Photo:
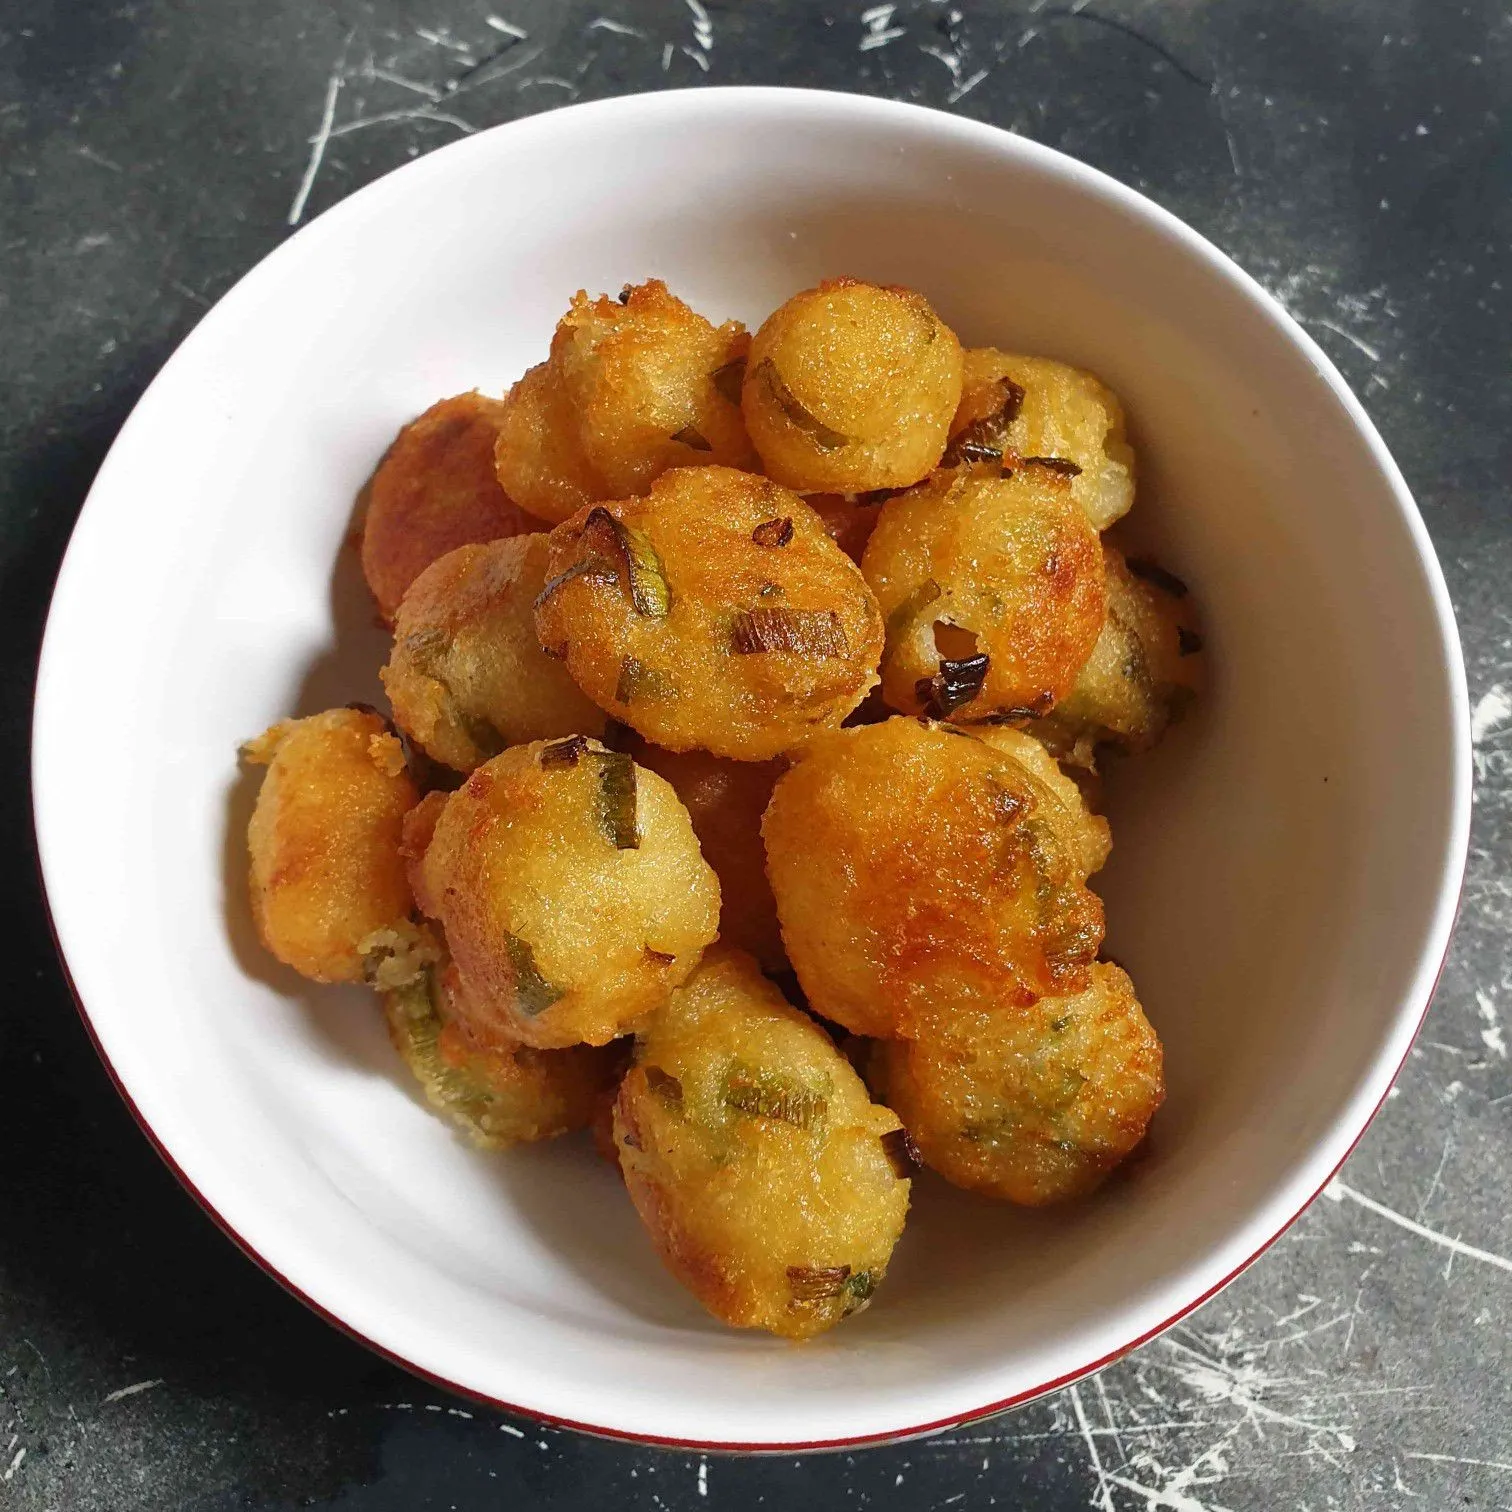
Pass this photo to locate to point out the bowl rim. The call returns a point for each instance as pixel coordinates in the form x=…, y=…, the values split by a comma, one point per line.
x=1414, y=1001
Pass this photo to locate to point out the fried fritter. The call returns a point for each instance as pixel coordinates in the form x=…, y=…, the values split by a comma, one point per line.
x=434, y=491
x=1143, y=672
x=726, y=799
x=916, y=867
x=1033, y=407
x=503, y=1094
x=992, y=588
x=716, y=614
x=329, y=893
x=1033, y=1105
x=467, y=676
x=633, y=386
x=852, y=386
x=766, y=1177
x=571, y=890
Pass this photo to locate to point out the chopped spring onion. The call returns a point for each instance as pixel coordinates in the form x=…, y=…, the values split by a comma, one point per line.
x=787, y=401
x=810, y=632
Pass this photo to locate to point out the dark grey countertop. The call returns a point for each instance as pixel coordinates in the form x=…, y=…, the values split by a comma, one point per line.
x=1353, y=154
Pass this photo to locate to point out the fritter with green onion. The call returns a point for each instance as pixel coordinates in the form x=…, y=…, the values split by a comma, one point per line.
x=467, y=676
x=435, y=489
x=991, y=582
x=714, y=614
x=1032, y=1105
x=329, y=893
x=852, y=386
x=917, y=868
x=1145, y=669
x=634, y=385
x=571, y=890
x=770, y=1183
x=1033, y=407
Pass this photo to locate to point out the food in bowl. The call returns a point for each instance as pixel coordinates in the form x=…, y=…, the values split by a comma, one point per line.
x=803, y=680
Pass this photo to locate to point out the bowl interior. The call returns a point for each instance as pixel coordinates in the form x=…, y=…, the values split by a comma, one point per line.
x=1283, y=866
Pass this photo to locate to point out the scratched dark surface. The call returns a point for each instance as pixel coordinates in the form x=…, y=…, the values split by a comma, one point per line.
x=1353, y=154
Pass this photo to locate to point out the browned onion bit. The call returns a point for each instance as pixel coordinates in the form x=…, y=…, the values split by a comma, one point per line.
x=878, y=496
x=644, y=574
x=970, y=447
x=637, y=681
x=773, y=532
x=533, y=993
x=816, y=1283
x=617, y=799
x=727, y=380
x=902, y=1154
x=1155, y=574
x=596, y=569
x=665, y=1087
x=563, y=753
x=690, y=437
x=810, y=632
x=1013, y=402
x=1062, y=465
x=658, y=957
x=955, y=684
x=787, y=401
x=1188, y=642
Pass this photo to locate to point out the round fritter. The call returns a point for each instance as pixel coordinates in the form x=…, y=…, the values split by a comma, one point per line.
x=1143, y=672
x=992, y=587
x=328, y=886
x=633, y=386
x=467, y=676
x=726, y=799
x=1033, y=407
x=916, y=868
x=571, y=890
x=715, y=614
x=852, y=386
x=849, y=518
x=1032, y=1105
x=1085, y=835
x=435, y=490
x=502, y=1094
x=768, y=1180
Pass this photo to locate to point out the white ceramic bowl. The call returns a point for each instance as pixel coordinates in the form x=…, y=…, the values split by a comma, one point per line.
x=1286, y=866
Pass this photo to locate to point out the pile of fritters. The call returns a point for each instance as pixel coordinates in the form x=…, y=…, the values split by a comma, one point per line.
x=729, y=673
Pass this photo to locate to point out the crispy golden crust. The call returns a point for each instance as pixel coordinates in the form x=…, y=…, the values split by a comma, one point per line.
x=849, y=521
x=974, y=563
x=633, y=386
x=501, y=1094
x=571, y=890
x=1032, y=1105
x=715, y=614
x=915, y=866
x=1145, y=669
x=851, y=386
x=759, y=1165
x=1038, y=408
x=467, y=676
x=328, y=883
x=435, y=490
x=725, y=800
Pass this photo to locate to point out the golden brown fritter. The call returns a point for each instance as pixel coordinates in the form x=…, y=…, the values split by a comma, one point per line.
x=633, y=386
x=435, y=490
x=1033, y=407
x=916, y=867
x=502, y=1094
x=725, y=800
x=716, y=614
x=467, y=676
x=571, y=890
x=766, y=1177
x=852, y=386
x=328, y=887
x=1032, y=1105
x=1143, y=672
x=992, y=588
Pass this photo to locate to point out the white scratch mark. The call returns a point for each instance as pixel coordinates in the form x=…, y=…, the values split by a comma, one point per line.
x=1103, y=1500
x=873, y=40
x=1452, y=1091
x=91, y=241
x=444, y=39
x=666, y=56
x=1308, y=1303
x=321, y=137
x=609, y=24
x=372, y=71
x=1438, y=1176
x=1491, y=1035
x=362, y=123
x=1350, y=337
x=878, y=16
x=962, y=90
x=1492, y=709
x=126, y=1391
x=15, y=1463
x=511, y=1430
x=100, y=158
x=1107, y=1407
x=551, y=79
x=703, y=1477
x=1338, y=1191
x=700, y=58
x=703, y=27
x=458, y=1412
x=1454, y=1459
x=1354, y=1312
x=509, y=29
